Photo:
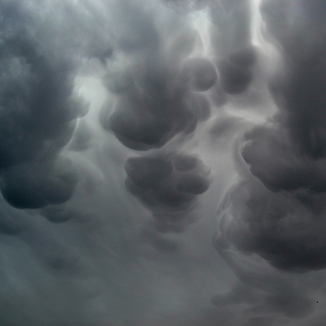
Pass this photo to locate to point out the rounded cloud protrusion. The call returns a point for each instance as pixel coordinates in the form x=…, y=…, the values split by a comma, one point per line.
x=199, y=74
x=36, y=186
x=167, y=184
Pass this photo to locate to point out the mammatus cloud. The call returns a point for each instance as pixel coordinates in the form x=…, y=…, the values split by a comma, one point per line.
x=277, y=210
x=168, y=185
x=278, y=226
x=38, y=112
x=157, y=97
x=157, y=103
x=286, y=155
x=108, y=207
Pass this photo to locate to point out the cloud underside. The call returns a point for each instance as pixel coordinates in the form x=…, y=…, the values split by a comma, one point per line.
x=193, y=101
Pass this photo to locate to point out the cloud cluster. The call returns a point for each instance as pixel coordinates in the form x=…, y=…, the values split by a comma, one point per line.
x=157, y=86
x=168, y=185
x=76, y=248
x=155, y=81
x=281, y=228
x=278, y=212
x=38, y=112
x=156, y=103
x=237, y=70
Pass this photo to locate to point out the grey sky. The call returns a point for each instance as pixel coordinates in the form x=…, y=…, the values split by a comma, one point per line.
x=162, y=162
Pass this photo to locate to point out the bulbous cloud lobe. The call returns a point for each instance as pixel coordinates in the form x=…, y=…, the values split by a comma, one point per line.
x=168, y=185
x=157, y=87
x=278, y=211
x=38, y=110
x=158, y=104
x=156, y=83
x=285, y=231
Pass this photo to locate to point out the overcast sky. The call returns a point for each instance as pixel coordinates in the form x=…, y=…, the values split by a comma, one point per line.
x=162, y=162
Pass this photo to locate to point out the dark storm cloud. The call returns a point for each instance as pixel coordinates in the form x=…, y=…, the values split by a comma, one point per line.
x=79, y=250
x=277, y=226
x=299, y=89
x=236, y=70
x=276, y=161
x=37, y=109
x=168, y=185
x=156, y=90
x=39, y=184
x=153, y=109
x=156, y=95
x=285, y=223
